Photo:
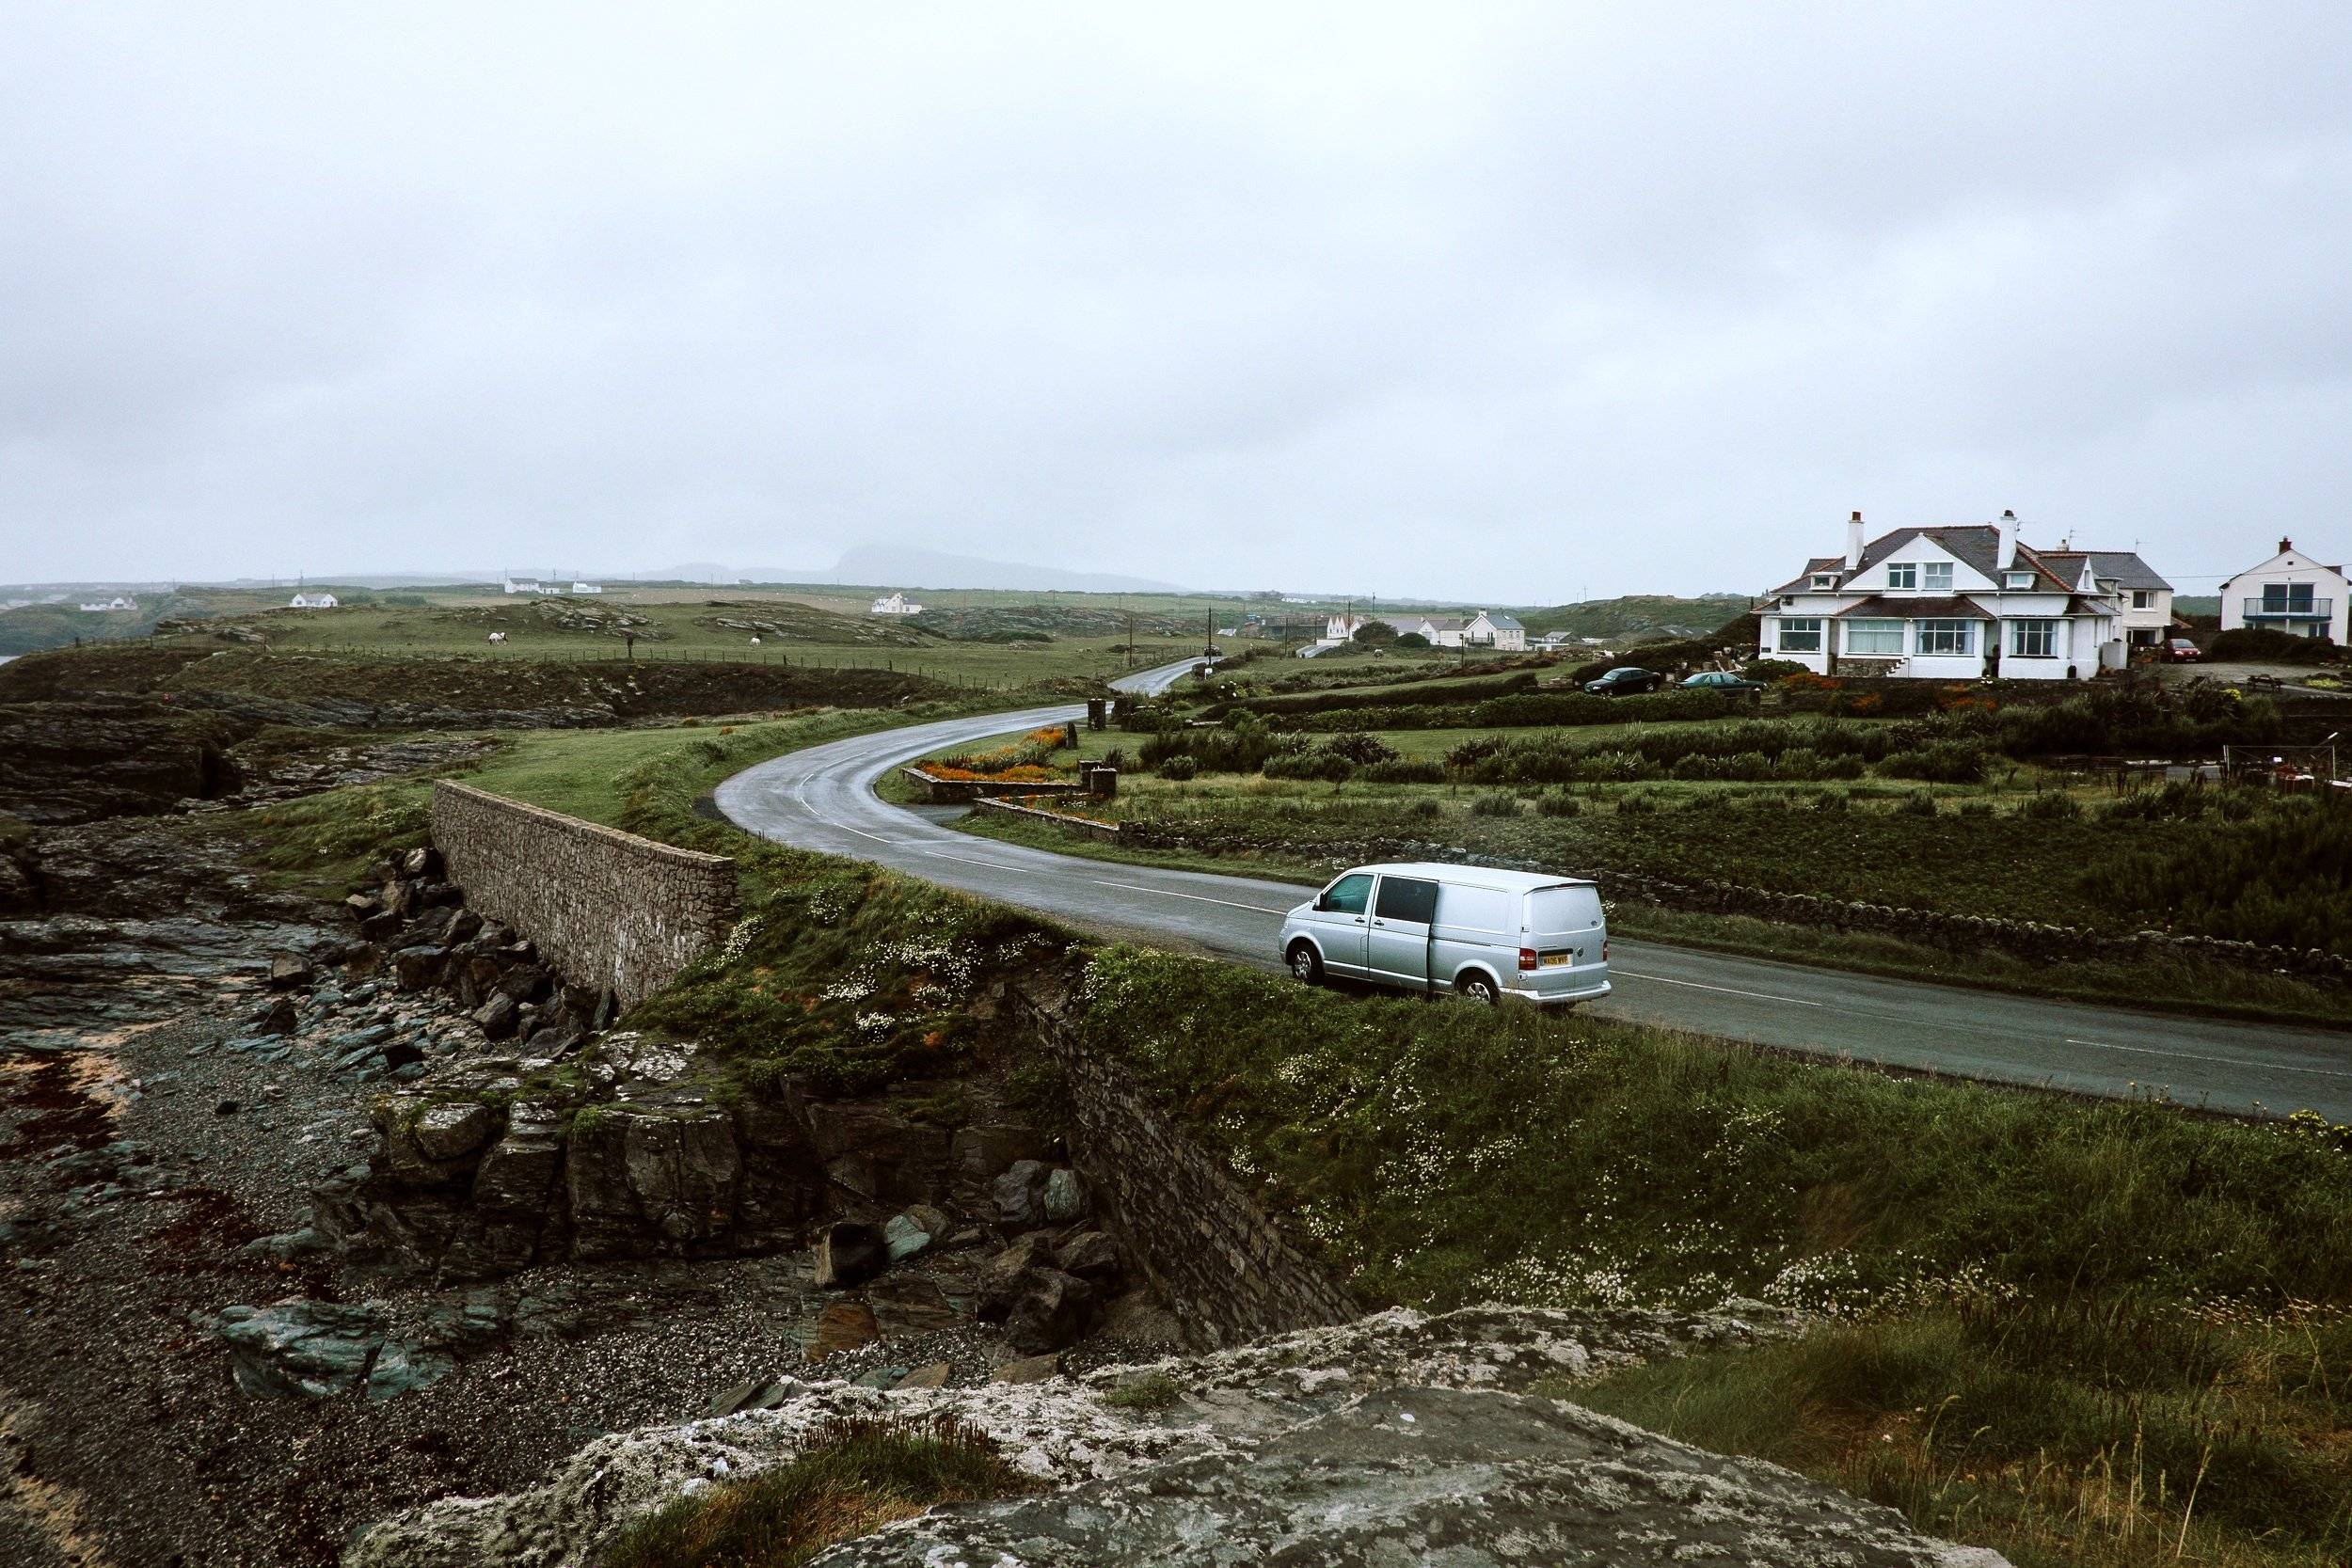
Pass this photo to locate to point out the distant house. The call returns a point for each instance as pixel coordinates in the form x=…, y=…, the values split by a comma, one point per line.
x=1502, y=633
x=1341, y=628
x=2290, y=593
x=532, y=585
x=895, y=604
x=587, y=588
x=314, y=601
x=101, y=606
x=1957, y=604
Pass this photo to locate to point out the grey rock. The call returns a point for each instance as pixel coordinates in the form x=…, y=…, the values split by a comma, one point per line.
x=1052, y=1310
x=1065, y=1197
x=911, y=1231
x=291, y=1349
x=1089, y=1255
x=1471, y=1480
x=498, y=1017
x=1001, y=1279
x=1028, y=1368
x=1020, y=1194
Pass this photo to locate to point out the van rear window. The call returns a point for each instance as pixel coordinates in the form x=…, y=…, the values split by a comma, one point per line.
x=1562, y=908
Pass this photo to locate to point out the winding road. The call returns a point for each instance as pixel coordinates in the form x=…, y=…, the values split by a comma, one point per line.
x=823, y=799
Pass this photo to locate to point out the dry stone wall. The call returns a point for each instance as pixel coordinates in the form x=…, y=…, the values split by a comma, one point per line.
x=609, y=908
x=1213, y=1255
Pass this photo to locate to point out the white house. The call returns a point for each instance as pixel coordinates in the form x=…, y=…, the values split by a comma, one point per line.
x=1341, y=628
x=587, y=588
x=314, y=601
x=1502, y=633
x=100, y=607
x=1955, y=604
x=530, y=585
x=895, y=604
x=2289, y=593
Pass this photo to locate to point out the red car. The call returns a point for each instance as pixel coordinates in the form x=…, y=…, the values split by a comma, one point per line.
x=2180, y=650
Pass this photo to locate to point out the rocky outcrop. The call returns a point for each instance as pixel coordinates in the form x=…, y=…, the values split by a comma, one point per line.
x=1399, y=1436
x=109, y=756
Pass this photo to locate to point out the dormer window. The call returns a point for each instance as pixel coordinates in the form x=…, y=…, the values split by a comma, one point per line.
x=1824, y=579
x=2017, y=580
x=1936, y=575
x=1903, y=574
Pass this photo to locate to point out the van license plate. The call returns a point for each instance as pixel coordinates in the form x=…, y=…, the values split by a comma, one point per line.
x=1557, y=960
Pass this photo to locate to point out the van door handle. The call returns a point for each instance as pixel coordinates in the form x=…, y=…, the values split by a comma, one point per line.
x=1382, y=923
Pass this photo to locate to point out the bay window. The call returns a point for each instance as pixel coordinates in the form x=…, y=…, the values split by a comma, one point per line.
x=1949, y=638
x=2033, y=638
x=1875, y=636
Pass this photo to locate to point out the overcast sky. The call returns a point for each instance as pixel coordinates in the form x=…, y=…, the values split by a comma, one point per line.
x=1509, y=304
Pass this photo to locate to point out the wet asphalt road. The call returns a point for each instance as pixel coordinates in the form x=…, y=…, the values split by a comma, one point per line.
x=823, y=799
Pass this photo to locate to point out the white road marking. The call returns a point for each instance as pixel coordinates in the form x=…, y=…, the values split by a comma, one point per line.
x=2220, y=1061
x=1728, y=990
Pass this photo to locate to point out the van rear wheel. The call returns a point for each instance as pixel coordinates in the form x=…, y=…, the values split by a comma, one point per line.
x=1479, y=989
x=1306, y=963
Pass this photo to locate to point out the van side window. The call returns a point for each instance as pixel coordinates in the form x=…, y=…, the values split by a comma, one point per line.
x=1348, y=895
x=1408, y=898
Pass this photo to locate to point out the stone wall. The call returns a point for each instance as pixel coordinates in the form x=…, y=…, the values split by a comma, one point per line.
x=1213, y=1255
x=610, y=909
x=1085, y=826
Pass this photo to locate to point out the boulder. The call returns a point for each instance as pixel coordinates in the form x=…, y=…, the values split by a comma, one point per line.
x=497, y=1017
x=318, y=1349
x=843, y=1326
x=849, y=1253
x=908, y=1304
x=1020, y=1194
x=290, y=972
x=281, y=1019
x=999, y=1282
x=1089, y=1255
x=1065, y=1197
x=1051, y=1310
x=912, y=1230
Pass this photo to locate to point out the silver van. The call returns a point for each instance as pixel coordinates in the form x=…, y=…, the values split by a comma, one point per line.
x=1484, y=934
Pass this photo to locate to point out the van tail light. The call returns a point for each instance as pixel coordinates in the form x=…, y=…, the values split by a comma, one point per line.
x=1527, y=959
x=1604, y=950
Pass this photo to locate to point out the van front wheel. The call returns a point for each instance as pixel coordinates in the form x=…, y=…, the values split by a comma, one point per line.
x=1306, y=964
x=1479, y=989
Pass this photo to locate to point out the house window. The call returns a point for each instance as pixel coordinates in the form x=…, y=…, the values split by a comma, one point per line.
x=1903, y=574
x=2018, y=580
x=1875, y=636
x=1953, y=638
x=2033, y=638
x=2143, y=598
x=1935, y=575
x=2279, y=597
x=1800, y=634
x=1823, y=579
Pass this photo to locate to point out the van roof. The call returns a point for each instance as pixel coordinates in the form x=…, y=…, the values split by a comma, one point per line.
x=1476, y=876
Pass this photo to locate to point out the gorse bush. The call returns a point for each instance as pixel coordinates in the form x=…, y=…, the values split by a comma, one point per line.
x=1938, y=762
x=1497, y=802
x=2051, y=805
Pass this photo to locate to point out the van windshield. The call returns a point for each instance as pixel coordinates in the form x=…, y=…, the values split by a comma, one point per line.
x=1562, y=908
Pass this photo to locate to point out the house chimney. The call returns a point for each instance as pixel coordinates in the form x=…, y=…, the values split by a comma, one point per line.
x=2008, y=550
x=2285, y=545
x=1853, y=541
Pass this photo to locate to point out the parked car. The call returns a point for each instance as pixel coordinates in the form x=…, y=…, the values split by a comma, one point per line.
x=1720, y=680
x=1625, y=679
x=2180, y=650
x=1482, y=934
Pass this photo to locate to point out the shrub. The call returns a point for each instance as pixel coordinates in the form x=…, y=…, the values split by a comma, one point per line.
x=1939, y=762
x=1411, y=639
x=1637, y=804
x=1558, y=802
x=1330, y=766
x=1830, y=800
x=1178, y=767
x=1360, y=749
x=1497, y=804
x=1919, y=803
x=1775, y=669
x=2051, y=805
